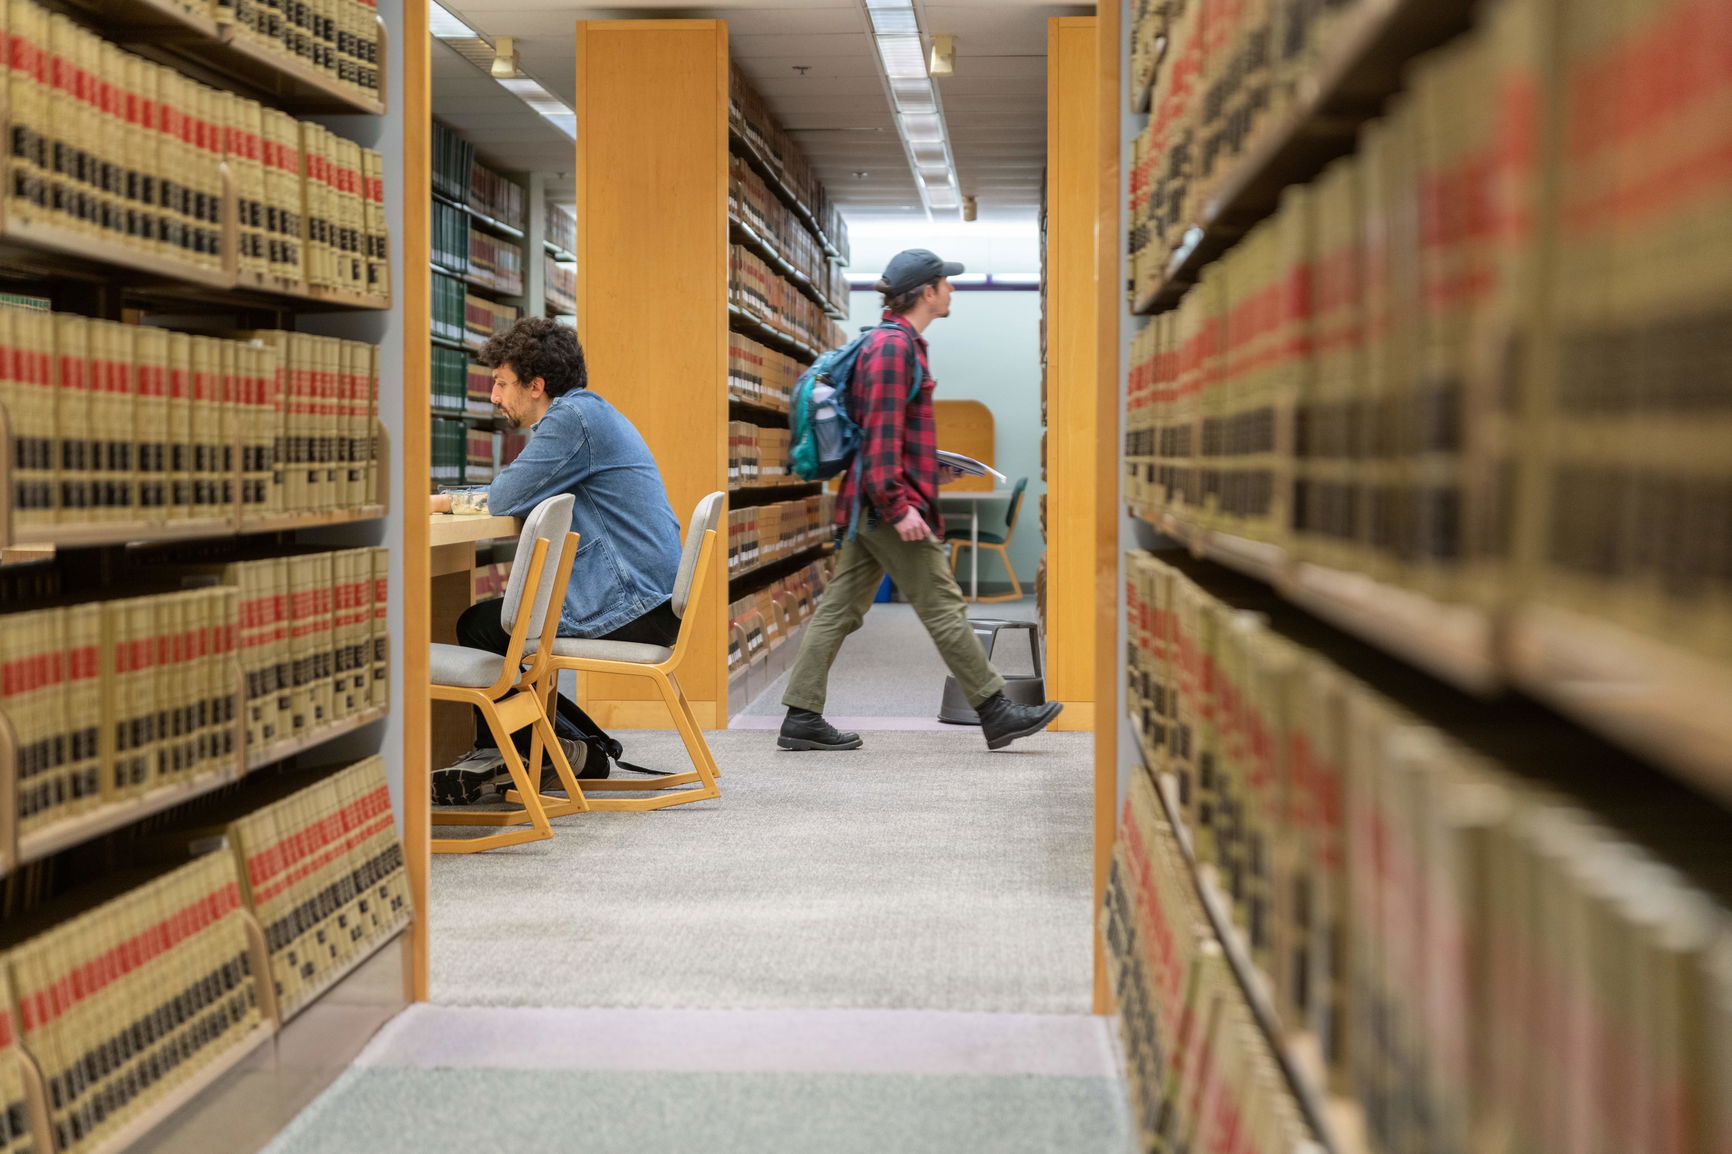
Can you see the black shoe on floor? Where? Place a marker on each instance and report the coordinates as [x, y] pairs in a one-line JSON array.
[[803, 729], [1002, 720], [466, 782]]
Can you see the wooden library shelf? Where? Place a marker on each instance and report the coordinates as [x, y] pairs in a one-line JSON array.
[[1655, 699], [1454, 643], [449, 343], [1345, 91], [743, 495], [170, 30], [559, 254], [292, 746], [756, 412], [38, 244], [105, 819], [744, 148], [763, 572], [744, 234], [1302, 1075], [284, 522], [745, 322], [510, 231]]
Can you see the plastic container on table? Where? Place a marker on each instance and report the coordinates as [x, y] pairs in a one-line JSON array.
[[468, 500]]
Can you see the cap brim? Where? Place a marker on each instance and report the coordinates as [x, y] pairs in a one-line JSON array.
[[952, 268]]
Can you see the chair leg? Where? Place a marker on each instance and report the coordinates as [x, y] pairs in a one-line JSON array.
[[1003, 552], [703, 762], [540, 829], [692, 720]]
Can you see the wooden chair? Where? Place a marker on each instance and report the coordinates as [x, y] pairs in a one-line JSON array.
[[656, 663], [959, 540], [507, 694]]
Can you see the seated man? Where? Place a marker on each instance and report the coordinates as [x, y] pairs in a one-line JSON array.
[[629, 549]]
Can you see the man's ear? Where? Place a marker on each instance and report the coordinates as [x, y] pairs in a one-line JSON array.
[[538, 386]]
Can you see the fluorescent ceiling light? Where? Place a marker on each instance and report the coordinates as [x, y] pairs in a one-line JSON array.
[[445, 26], [919, 127], [914, 95], [930, 154], [942, 197], [885, 20], [548, 106], [902, 57]]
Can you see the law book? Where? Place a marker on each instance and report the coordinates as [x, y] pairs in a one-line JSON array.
[[125, 1000]]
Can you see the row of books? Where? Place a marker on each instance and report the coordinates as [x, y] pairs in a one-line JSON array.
[[450, 237], [559, 228], [123, 991], [1200, 1072], [338, 38], [750, 117], [129, 423], [453, 161], [124, 1001], [16, 1136], [448, 295], [136, 157], [1437, 891], [490, 580], [108, 700], [775, 302], [482, 318], [459, 385], [751, 202], [463, 454], [757, 456], [560, 285], [1231, 73], [494, 196], [498, 263], [321, 869], [760, 376], [763, 534], [761, 621], [1347, 382], [311, 637]]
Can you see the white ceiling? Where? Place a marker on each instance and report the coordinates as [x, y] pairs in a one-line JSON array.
[[995, 104]]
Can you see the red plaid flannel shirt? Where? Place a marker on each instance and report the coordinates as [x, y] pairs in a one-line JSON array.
[[899, 453]]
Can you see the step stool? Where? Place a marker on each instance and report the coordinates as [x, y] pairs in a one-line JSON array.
[[1023, 688]]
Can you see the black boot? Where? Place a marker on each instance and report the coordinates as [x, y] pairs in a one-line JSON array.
[[803, 729], [1002, 720]]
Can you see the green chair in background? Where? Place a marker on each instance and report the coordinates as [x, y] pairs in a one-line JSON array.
[[958, 540]]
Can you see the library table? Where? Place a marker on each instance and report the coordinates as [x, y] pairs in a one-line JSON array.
[[451, 555], [973, 498]]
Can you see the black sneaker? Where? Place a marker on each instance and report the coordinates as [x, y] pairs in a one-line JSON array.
[[466, 782], [1003, 721], [578, 753], [803, 729]]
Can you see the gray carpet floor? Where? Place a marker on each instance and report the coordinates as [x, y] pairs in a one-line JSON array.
[[919, 872], [889, 668]]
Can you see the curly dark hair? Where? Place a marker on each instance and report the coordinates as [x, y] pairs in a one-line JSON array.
[[901, 303], [537, 347]]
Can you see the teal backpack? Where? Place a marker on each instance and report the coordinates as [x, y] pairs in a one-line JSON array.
[[826, 439]]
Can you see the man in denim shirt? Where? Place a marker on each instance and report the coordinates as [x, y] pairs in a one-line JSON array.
[[623, 579]]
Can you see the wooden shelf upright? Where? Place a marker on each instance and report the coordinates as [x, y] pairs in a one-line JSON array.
[[652, 290]]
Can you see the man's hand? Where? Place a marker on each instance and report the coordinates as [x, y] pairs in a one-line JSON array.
[[912, 526], [439, 503], [949, 473]]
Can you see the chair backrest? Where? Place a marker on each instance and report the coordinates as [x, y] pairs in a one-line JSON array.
[[549, 521], [705, 517], [1015, 504]]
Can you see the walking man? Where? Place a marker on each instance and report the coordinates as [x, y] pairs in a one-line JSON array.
[[900, 530]]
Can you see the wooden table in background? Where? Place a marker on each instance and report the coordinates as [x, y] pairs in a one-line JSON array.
[[451, 541]]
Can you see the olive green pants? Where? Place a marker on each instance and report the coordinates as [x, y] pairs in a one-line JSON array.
[[921, 570]]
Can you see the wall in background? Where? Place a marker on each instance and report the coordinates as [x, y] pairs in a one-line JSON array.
[[988, 350]]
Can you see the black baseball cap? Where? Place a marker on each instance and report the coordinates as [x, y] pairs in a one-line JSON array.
[[913, 267]]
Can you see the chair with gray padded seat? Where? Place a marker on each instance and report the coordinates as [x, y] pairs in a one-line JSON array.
[[959, 538], [657, 664], [507, 694]]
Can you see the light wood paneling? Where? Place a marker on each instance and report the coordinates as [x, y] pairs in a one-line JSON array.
[[1074, 444], [1105, 543], [415, 245], [652, 289], [966, 427]]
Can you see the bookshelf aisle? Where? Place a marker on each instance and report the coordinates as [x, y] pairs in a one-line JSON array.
[[1417, 412], [200, 649], [744, 263]]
